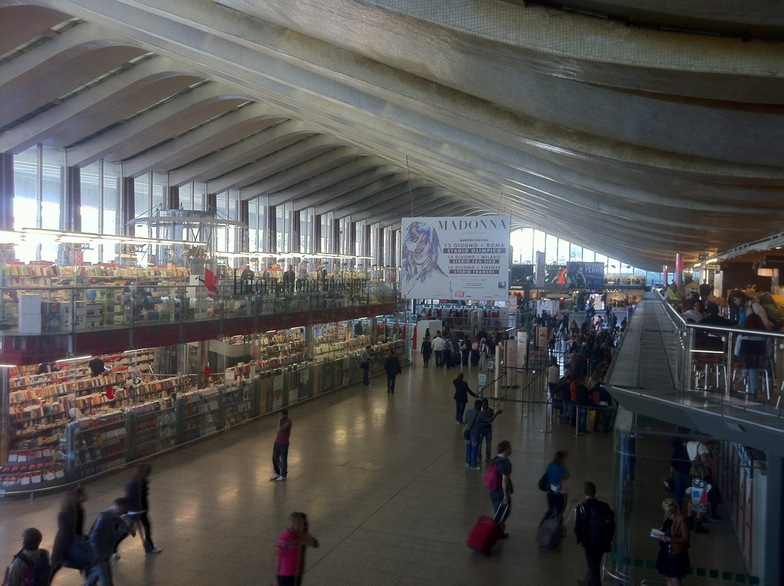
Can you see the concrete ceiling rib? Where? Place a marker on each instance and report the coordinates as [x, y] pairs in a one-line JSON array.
[[241, 153], [293, 155], [214, 136], [158, 124]]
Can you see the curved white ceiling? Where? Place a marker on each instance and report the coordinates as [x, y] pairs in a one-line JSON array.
[[636, 141]]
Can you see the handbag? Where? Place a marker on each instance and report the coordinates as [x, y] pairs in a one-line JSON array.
[[467, 430], [699, 469], [542, 484]]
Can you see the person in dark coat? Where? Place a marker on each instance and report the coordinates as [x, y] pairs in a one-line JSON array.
[[107, 530], [392, 368], [137, 491], [596, 542], [426, 350], [461, 397], [70, 544]]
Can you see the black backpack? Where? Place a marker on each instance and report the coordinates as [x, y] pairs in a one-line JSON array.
[[37, 572], [599, 525]]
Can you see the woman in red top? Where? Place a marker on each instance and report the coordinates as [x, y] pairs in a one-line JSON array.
[[291, 550]]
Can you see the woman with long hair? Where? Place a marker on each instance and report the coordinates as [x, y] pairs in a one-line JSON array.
[[673, 558]]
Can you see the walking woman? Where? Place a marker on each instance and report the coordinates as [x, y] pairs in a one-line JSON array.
[[556, 474], [673, 558]]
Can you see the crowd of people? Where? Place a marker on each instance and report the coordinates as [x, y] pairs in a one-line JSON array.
[[91, 552], [455, 349], [95, 551]]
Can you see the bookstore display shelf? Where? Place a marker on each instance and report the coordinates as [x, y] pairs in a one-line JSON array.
[[238, 404], [97, 444], [153, 428], [199, 413], [173, 413], [31, 469]]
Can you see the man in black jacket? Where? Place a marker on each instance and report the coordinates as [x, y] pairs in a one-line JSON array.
[[461, 397], [594, 526]]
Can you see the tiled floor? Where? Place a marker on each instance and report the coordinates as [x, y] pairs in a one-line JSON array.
[[383, 480]]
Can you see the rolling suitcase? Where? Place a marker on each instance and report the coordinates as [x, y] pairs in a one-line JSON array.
[[487, 532], [550, 533], [552, 530]]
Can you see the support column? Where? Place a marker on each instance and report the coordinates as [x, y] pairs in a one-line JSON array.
[[243, 213], [172, 198], [72, 216], [295, 232], [5, 413], [272, 234], [127, 206], [317, 233], [6, 191], [773, 572]]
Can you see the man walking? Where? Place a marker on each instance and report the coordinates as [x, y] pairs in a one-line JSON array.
[[107, 529], [438, 349], [280, 451], [502, 494], [461, 397], [594, 526], [392, 368]]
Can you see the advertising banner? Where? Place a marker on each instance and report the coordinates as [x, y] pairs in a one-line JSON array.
[[575, 275], [455, 258], [521, 276]]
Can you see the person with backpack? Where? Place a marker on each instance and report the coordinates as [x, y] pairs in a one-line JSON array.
[[31, 566], [498, 480], [594, 526]]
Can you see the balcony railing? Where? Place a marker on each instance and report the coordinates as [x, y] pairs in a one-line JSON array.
[[72, 309]]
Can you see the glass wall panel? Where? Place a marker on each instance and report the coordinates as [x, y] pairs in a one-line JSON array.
[[90, 185], [221, 241], [26, 200], [185, 193], [359, 249], [563, 251], [199, 195], [326, 233], [575, 253], [52, 190], [524, 246], [539, 242], [589, 255], [551, 249], [306, 218], [283, 227], [142, 197], [159, 185], [112, 186]]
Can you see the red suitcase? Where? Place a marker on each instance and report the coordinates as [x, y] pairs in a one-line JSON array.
[[486, 534]]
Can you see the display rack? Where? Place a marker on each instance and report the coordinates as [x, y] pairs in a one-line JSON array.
[[199, 413], [238, 404], [97, 444], [31, 468], [280, 348], [153, 428]]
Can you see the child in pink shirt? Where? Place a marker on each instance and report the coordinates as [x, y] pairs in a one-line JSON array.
[[291, 550]]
